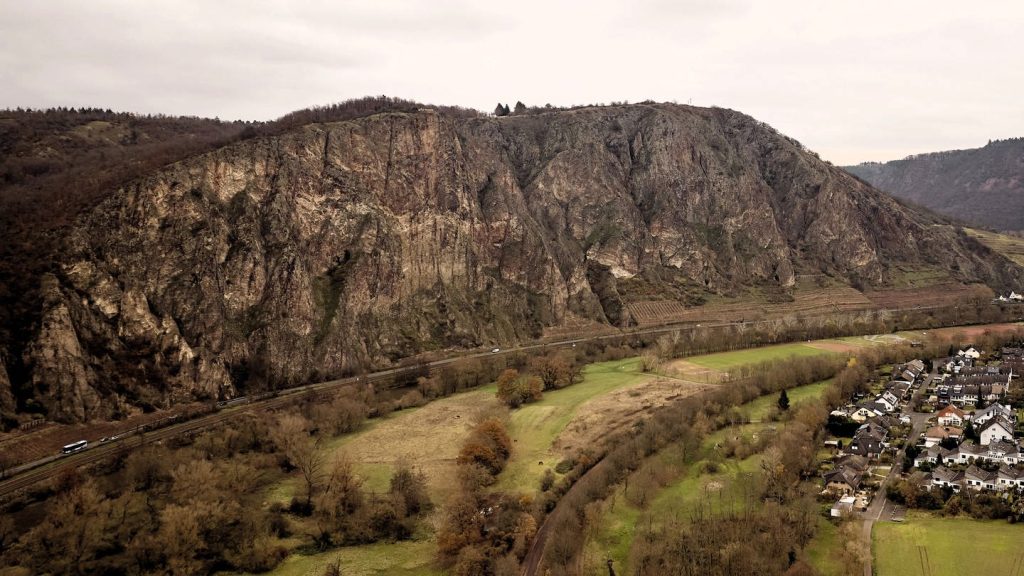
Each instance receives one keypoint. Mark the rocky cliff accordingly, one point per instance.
(337, 246)
(982, 186)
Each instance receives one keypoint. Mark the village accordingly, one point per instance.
(934, 427)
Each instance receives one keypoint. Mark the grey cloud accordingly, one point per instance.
(855, 81)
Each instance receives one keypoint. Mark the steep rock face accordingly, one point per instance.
(981, 186)
(7, 401)
(339, 246)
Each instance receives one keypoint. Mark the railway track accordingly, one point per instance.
(27, 475)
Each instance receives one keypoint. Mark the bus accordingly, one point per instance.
(75, 447)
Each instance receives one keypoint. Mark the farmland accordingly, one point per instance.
(610, 395)
(809, 300)
(943, 294)
(724, 361)
(935, 546)
(1010, 246)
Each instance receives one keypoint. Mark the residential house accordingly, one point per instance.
(970, 353)
(943, 476)
(886, 421)
(951, 416)
(981, 417)
(1009, 478)
(869, 441)
(852, 461)
(887, 402)
(863, 413)
(916, 365)
(996, 429)
(899, 389)
(843, 506)
(843, 480)
(1004, 451)
(980, 479)
(964, 394)
(936, 434)
(935, 455)
(999, 452)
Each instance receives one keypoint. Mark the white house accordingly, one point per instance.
(862, 413)
(951, 416)
(1009, 478)
(980, 479)
(888, 401)
(969, 353)
(843, 506)
(943, 476)
(1002, 452)
(981, 417)
(995, 430)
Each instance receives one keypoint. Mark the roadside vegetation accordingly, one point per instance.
(312, 488)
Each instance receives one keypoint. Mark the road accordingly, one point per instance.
(880, 508)
(26, 475)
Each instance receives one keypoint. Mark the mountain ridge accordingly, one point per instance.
(331, 247)
(981, 186)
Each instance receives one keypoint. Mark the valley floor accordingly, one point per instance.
(610, 395)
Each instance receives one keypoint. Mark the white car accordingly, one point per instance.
(496, 350)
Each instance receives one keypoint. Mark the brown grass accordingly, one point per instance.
(937, 295)
(807, 300)
(427, 438)
(835, 346)
(605, 414)
(693, 372)
(1009, 246)
(973, 331)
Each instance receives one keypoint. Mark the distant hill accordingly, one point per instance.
(983, 186)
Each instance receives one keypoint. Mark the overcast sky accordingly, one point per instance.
(855, 81)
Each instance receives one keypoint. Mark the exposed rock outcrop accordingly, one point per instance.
(337, 246)
(7, 401)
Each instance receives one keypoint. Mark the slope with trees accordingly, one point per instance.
(981, 186)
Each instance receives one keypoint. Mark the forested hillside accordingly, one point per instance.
(982, 186)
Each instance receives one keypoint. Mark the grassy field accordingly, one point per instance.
(761, 407)
(413, 558)
(429, 438)
(1009, 246)
(723, 488)
(818, 552)
(534, 427)
(954, 546)
(725, 361)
